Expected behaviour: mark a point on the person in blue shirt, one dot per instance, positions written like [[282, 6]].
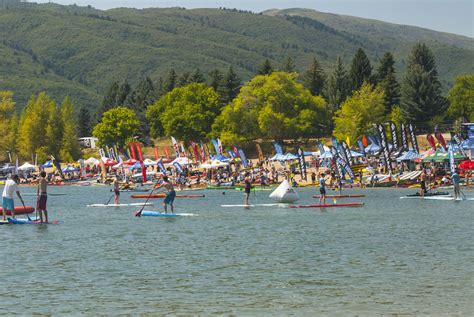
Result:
[[456, 183], [322, 190]]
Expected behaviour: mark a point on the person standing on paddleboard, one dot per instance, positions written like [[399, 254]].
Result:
[[116, 191], [248, 187], [170, 195], [322, 190], [11, 186], [423, 183], [456, 183], [42, 197]]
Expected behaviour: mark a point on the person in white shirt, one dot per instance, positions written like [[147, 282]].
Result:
[[11, 186]]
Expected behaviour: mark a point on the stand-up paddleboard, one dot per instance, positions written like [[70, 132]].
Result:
[[328, 205], [341, 196], [49, 194], [31, 222], [447, 198], [429, 194], [134, 190], [163, 196], [255, 205], [120, 205], [284, 193], [20, 210], [258, 189], [148, 213]]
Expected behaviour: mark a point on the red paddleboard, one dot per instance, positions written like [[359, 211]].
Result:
[[163, 196], [341, 196], [329, 205], [20, 210]]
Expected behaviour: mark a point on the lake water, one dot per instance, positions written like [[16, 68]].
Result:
[[392, 256]]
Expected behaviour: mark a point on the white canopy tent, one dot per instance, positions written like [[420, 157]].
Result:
[[27, 167]]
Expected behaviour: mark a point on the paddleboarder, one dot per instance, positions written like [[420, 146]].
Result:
[[11, 186], [170, 195], [423, 183], [42, 197], [248, 187], [116, 191], [456, 183], [322, 189]]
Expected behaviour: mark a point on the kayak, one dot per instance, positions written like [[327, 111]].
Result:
[[341, 196], [329, 205], [256, 205], [120, 205], [148, 213], [31, 222], [163, 196], [20, 210]]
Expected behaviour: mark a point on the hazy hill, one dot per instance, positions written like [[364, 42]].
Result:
[[79, 51]]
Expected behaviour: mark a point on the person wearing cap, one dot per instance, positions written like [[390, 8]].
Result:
[[170, 195], [42, 197], [11, 186], [322, 189]]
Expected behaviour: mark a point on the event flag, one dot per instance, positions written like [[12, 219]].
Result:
[[278, 148], [347, 152], [243, 158], [335, 159], [56, 164], [414, 142], [301, 163], [203, 152], [441, 140], [231, 154], [259, 152], [175, 146], [361, 146], [452, 165], [216, 146], [393, 132], [161, 166], [178, 167], [431, 141], [132, 151], [364, 141], [157, 156], [235, 152], [167, 152], [384, 146], [183, 150], [321, 148], [219, 147], [348, 141], [101, 152], [457, 139], [140, 157]]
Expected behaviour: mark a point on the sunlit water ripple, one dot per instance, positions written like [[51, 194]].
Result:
[[390, 257]]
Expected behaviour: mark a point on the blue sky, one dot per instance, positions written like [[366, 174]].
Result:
[[453, 16]]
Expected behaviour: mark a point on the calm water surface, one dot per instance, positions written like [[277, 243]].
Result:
[[392, 256]]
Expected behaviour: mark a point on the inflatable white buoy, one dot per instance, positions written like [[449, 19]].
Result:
[[284, 193]]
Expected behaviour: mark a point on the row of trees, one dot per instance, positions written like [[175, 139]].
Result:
[[43, 128], [282, 104]]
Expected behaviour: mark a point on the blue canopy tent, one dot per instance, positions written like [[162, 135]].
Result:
[[220, 158], [70, 169], [326, 155], [47, 164], [372, 148], [289, 156], [356, 154], [408, 156], [278, 157], [136, 166]]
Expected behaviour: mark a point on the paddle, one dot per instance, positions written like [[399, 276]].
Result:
[[28, 216], [108, 201], [462, 193], [139, 213]]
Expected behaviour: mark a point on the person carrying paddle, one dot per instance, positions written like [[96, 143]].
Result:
[[42, 197], [456, 183], [322, 189], [11, 186], [423, 183], [116, 191], [170, 195]]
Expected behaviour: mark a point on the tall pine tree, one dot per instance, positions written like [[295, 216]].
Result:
[[266, 68], [421, 100], [84, 122], [289, 65], [315, 78], [338, 85], [387, 79], [215, 79], [231, 86], [170, 82], [198, 77], [361, 70]]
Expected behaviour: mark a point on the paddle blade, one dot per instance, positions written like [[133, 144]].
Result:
[[138, 213]]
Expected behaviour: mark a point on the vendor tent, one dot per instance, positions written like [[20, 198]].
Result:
[[47, 164], [91, 161], [409, 155], [27, 167]]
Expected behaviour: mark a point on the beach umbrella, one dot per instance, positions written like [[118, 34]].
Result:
[[467, 165], [69, 169], [149, 162], [91, 161], [181, 161], [130, 161], [108, 162]]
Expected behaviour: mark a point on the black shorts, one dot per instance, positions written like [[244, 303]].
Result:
[[117, 192], [322, 191], [247, 190], [423, 185]]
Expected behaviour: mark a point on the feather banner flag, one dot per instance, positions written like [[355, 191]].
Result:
[[175, 146]]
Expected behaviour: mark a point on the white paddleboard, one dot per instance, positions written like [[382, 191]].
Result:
[[120, 205], [448, 198]]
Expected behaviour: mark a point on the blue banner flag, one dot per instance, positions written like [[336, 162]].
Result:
[[278, 148], [161, 167], [243, 157], [178, 167]]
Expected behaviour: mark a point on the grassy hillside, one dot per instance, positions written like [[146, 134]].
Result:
[[80, 50]]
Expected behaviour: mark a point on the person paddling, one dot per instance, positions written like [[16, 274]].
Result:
[[456, 184], [11, 186], [116, 191], [42, 197], [248, 187], [322, 190], [170, 195]]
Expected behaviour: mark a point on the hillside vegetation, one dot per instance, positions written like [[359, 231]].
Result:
[[80, 51]]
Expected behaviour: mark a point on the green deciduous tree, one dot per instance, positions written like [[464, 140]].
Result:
[[275, 106], [361, 70], [7, 106], [421, 100], [314, 78], [359, 112], [461, 98], [186, 112], [118, 126]]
